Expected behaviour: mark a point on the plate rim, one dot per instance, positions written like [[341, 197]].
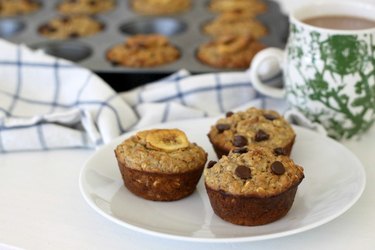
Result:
[[310, 226]]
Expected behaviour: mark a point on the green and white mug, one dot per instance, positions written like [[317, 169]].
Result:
[[329, 74]]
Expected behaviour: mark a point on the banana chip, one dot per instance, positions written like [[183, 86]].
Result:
[[167, 140]]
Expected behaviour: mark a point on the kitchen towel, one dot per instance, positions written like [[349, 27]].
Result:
[[50, 103]]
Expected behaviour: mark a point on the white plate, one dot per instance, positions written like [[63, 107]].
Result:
[[334, 181]]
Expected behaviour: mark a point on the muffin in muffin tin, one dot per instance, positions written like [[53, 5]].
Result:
[[253, 7], [160, 7], [235, 23], [229, 52], [68, 27], [143, 51], [86, 7]]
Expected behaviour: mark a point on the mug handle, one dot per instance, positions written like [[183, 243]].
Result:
[[261, 57]]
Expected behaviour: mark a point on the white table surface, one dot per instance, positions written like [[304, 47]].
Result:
[[41, 208]]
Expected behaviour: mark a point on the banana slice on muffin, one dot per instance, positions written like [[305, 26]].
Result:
[[167, 139]]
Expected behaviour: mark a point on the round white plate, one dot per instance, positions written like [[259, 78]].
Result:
[[334, 181]]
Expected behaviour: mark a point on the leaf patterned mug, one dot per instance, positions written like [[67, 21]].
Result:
[[329, 74]]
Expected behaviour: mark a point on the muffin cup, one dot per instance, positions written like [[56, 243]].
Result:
[[251, 211], [160, 186]]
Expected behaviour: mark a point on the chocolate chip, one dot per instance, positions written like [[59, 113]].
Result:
[[92, 2], [211, 164], [239, 141], [239, 150], [277, 168], [270, 117], [222, 127], [114, 63], [65, 19], [261, 136], [243, 172], [229, 114], [47, 28], [280, 151], [73, 35]]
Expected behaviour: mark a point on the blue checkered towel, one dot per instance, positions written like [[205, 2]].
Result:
[[50, 103]]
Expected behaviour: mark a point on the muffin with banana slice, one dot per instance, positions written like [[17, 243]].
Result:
[[160, 164]]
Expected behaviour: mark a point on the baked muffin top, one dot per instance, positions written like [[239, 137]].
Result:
[[161, 151], [89, 7], [160, 7], [229, 51], [235, 23], [17, 7], [143, 51], [253, 172], [253, 7], [71, 27], [253, 126]]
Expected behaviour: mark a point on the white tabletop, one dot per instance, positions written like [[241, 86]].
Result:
[[41, 208]]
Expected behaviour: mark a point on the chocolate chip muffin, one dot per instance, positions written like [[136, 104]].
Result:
[[160, 164], [252, 127], [87, 7], [68, 27], [229, 51], [253, 7], [235, 23], [160, 7], [143, 51], [18, 7], [252, 187]]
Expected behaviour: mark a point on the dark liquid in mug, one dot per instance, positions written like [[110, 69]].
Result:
[[340, 22]]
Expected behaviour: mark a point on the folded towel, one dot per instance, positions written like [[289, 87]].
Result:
[[50, 103]]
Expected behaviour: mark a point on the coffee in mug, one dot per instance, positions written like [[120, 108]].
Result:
[[328, 66], [340, 22]]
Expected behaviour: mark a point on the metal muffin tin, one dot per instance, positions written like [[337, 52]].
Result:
[[184, 31]]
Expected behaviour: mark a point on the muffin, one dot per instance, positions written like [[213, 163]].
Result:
[[17, 7], [252, 187], [67, 27], [87, 7], [235, 23], [160, 7], [229, 51], [253, 7], [253, 126], [143, 51], [160, 164]]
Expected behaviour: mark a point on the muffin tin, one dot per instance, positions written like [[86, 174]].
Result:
[[184, 30]]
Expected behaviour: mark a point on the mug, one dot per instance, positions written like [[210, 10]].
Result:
[[328, 74]]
